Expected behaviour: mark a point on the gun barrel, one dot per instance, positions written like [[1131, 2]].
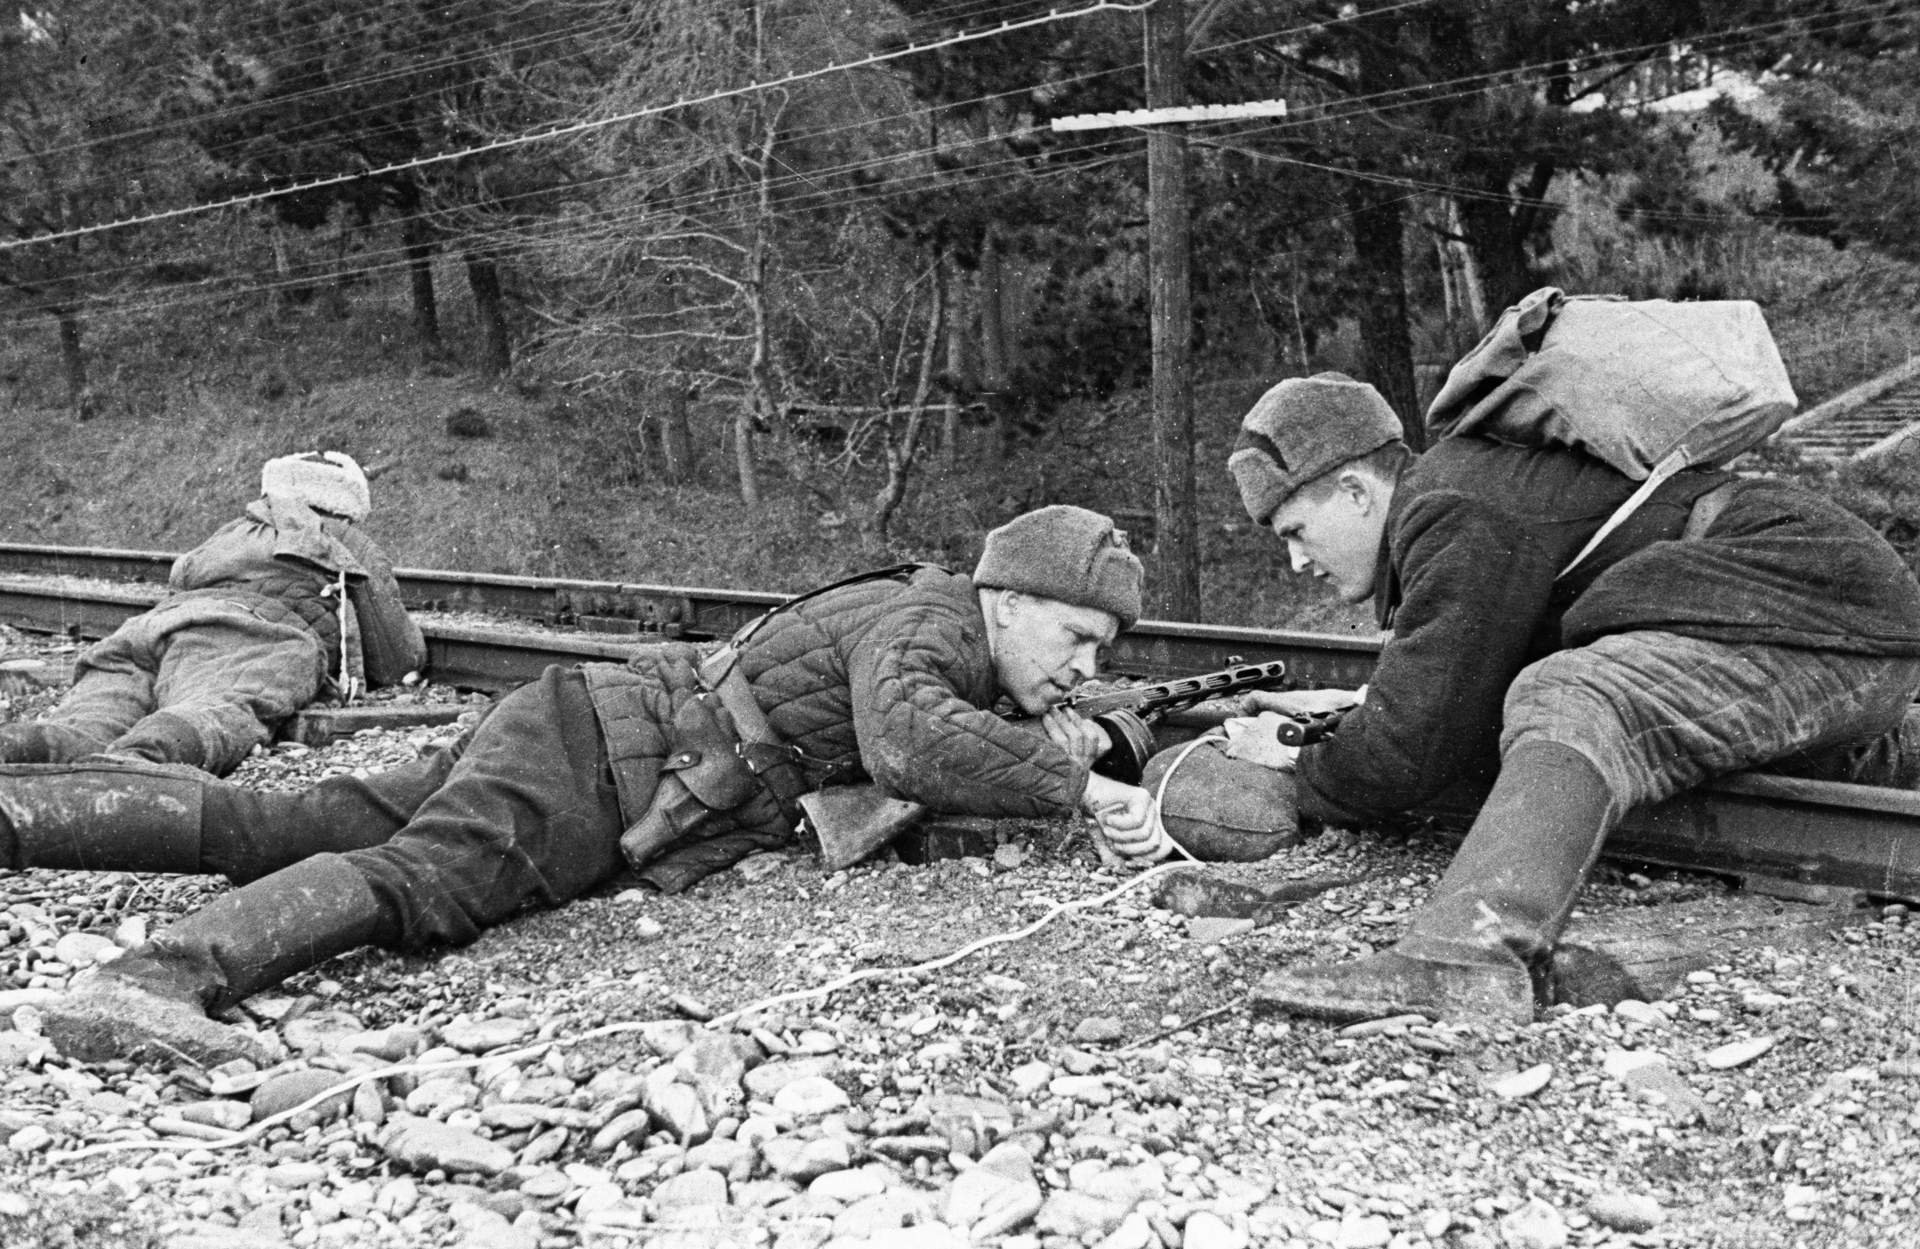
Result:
[[1181, 691]]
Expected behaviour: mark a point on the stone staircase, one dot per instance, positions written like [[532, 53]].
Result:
[[1872, 417]]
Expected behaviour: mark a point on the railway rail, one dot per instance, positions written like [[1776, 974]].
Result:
[[1794, 838]]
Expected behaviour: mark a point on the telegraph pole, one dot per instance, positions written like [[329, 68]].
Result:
[[1175, 502], [1175, 505]]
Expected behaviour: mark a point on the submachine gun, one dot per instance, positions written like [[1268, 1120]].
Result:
[[852, 821]]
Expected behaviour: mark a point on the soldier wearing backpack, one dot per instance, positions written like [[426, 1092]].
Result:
[[1726, 623]]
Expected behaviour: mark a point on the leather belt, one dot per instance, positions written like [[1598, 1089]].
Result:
[[766, 756]]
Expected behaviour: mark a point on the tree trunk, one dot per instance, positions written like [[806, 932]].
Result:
[[963, 373], [1176, 528], [496, 351], [416, 242], [1498, 245], [1386, 342], [676, 431], [996, 368], [284, 286], [900, 450], [73, 361]]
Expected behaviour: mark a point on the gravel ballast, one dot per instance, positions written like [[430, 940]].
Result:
[[642, 1070]]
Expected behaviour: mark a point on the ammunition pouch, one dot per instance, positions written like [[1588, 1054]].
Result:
[[727, 776], [706, 786]]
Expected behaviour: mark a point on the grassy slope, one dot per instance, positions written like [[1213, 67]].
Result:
[[194, 401], [550, 488]]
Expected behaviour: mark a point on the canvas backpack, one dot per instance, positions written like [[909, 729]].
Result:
[[1648, 386]]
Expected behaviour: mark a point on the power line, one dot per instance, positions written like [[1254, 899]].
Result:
[[582, 127], [929, 180]]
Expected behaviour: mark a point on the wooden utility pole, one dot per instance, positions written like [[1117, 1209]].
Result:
[[1177, 547]]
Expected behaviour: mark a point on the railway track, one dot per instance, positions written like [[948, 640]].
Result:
[[1793, 838]]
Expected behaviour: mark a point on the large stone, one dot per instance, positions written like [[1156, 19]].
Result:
[[676, 1106], [986, 1202], [631, 1125], [972, 1125], [482, 1228], [1535, 1225], [428, 1144], [480, 1036], [803, 1161], [714, 1065], [701, 1187], [847, 1187], [765, 1081], [285, 1090], [1207, 1230], [222, 1113], [220, 1236], [1079, 1215], [323, 1032], [106, 1017], [1625, 1212], [882, 1212], [84, 949], [811, 1097], [731, 1158]]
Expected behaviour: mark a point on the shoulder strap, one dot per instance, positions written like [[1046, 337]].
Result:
[[1673, 463], [752, 627], [719, 665]]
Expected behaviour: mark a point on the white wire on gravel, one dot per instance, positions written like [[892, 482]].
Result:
[[254, 1131]]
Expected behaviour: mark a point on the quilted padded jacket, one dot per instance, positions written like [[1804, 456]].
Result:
[[888, 680], [279, 559]]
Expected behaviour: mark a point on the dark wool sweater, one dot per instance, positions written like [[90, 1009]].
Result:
[[1476, 535], [888, 679]]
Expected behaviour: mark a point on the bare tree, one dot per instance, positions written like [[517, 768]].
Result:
[[83, 90]]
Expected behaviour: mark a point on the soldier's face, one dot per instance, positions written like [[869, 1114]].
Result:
[[1043, 648], [1333, 532]]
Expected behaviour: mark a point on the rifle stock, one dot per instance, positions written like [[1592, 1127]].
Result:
[[852, 822]]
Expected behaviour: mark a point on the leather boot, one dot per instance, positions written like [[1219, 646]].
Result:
[[152, 1003], [164, 738], [250, 833], [122, 817], [1476, 950], [136, 817], [36, 741]]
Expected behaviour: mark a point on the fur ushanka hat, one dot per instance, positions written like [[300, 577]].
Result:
[[326, 481]]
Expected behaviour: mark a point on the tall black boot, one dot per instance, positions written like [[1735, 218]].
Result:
[[151, 1004], [37, 741], [1476, 950], [122, 817], [132, 817], [167, 738], [249, 833]]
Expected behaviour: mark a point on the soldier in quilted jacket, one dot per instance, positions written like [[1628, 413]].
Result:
[[289, 600], [596, 768]]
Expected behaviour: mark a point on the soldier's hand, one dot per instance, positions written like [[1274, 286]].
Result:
[[1257, 740], [1298, 703], [1075, 734], [1127, 819]]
